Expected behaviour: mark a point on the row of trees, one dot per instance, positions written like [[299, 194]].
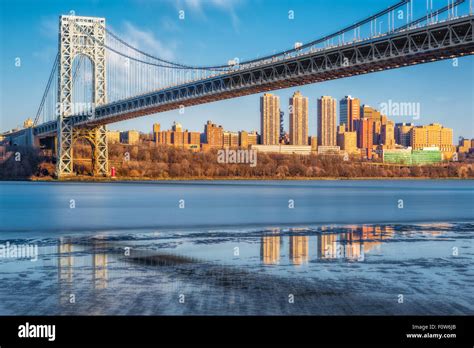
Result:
[[22, 163], [170, 162], [163, 162]]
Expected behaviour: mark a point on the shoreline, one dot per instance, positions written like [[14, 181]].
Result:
[[137, 179]]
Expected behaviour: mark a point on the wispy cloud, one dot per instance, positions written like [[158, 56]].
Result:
[[200, 6], [170, 25], [146, 41], [49, 26], [126, 80]]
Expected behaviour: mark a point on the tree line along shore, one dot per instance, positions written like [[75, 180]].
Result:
[[166, 162]]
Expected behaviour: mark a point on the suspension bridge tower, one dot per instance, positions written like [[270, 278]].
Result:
[[81, 36]]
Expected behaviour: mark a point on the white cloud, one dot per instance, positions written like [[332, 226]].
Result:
[[126, 79], [146, 41], [170, 25], [199, 7], [49, 27]]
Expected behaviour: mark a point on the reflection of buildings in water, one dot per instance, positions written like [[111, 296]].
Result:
[[352, 245], [353, 249], [299, 247], [270, 249], [373, 236], [340, 246], [327, 246]]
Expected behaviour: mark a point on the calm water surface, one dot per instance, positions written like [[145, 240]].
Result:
[[346, 247]]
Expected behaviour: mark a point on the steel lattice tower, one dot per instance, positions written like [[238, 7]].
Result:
[[86, 36]]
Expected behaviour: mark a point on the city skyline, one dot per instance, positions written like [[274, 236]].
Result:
[[453, 105], [339, 121]]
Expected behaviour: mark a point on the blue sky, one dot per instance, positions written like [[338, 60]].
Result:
[[213, 32]]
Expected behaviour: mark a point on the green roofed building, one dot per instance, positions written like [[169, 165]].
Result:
[[413, 157]]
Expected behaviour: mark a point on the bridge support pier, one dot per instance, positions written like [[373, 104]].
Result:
[[97, 138], [64, 162]]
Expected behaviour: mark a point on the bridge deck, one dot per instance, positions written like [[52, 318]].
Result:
[[425, 44]]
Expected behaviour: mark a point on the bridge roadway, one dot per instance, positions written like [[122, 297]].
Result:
[[442, 40]]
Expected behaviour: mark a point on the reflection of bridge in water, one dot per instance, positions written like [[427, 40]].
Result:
[[93, 267]]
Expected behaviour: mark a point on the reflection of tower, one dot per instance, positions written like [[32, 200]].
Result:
[[99, 264], [299, 249], [270, 249], [66, 261]]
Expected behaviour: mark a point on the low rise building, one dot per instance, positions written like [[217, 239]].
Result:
[[347, 141], [131, 137], [113, 137], [329, 150], [464, 145], [177, 137], [283, 149], [246, 139], [433, 135], [409, 156], [230, 139]]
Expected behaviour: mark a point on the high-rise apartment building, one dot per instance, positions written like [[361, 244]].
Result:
[[349, 111], [327, 121], [365, 133], [387, 135], [270, 119], [298, 119], [282, 126], [369, 112]]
